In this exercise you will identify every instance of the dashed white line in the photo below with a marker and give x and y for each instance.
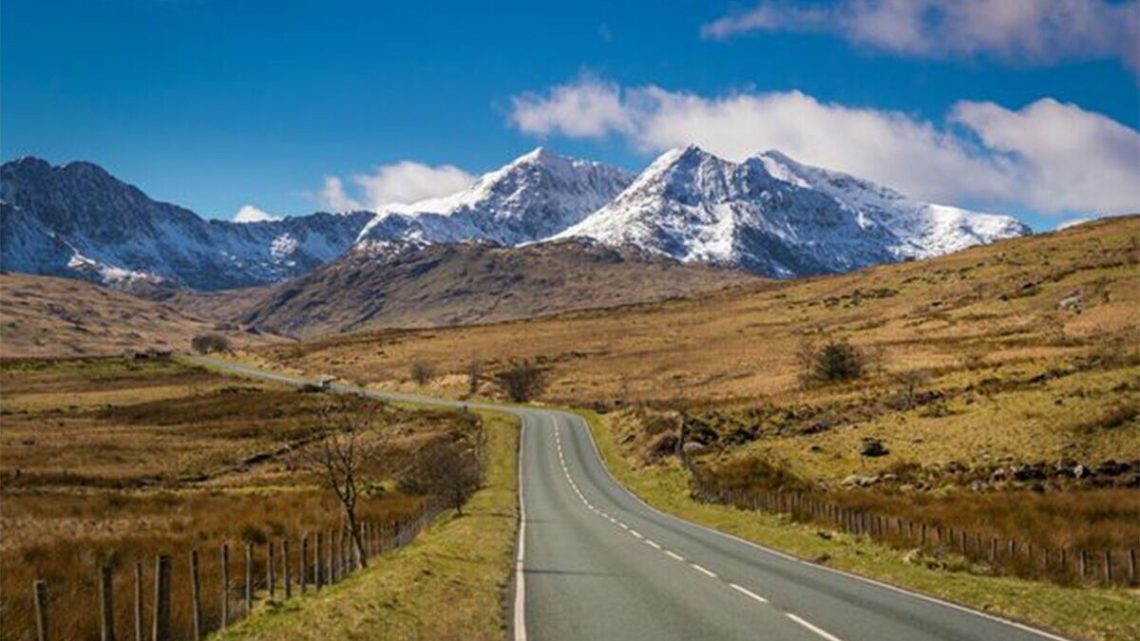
(673, 555)
(703, 570)
(636, 533)
(653, 544)
(822, 633)
(748, 593)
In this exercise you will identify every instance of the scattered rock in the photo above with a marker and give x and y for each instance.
(1111, 468)
(1071, 302)
(693, 447)
(873, 447)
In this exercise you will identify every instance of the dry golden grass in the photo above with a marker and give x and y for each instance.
(108, 462)
(998, 303)
(1028, 350)
(44, 316)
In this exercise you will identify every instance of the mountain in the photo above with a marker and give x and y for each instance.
(44, 316)
(774, 216)
(77, 220)
(474, 282)
(533, 198)
(769, 215)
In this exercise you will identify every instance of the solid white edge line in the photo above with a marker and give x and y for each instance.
(748, 593)
(493, 407)
(822, 633)
(894, 588)
(520, 581)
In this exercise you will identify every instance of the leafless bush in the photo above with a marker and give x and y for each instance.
(474, 375)
(522, 381)
(210, 343)
(909, 382)
(422, 373)
(339, 459)
(449, 469)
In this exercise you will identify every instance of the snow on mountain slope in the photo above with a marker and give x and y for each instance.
(77, 220)
(532, 198)
(777, 217)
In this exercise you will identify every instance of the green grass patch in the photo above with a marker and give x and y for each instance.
(1083, 612)
(450, 584)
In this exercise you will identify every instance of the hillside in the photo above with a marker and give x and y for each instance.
(43, 316)
(468, 283)
(1036, 334)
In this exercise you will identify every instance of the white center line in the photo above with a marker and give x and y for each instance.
(822, 633)
(652, 543)
(748, 593)
(703, 570)
(636, 533)
(673, 555)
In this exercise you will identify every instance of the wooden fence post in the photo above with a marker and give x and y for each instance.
(248, 578)
(195, 595)
(270, 570)
(1107, 567)
(318, 565)
(1083, 563)
(1132, 565)
(107, 605)
(39, 589)
(138, 602)
(225, 584)
(285, 568)
(303, 575)
(161, 629)
(329, 561)
(993, 549)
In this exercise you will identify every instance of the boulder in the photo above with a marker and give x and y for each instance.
(873, 447)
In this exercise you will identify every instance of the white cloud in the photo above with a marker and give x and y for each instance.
(402, 182)
(251, 214)
(1023, 31)
(585, 109)
(1049, 156)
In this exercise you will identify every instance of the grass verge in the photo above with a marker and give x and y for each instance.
(1083, 612)
(448, 585)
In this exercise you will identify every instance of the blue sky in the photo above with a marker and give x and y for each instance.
(217, 104)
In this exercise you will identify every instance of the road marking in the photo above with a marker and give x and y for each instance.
(822, 633)
(623, 525)
(653, 544)
(703, 570)
(581, 426)
(748, 593)
(673, 555)
(636, 533)
(520, 581)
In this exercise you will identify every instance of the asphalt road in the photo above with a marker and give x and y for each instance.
(597, 563)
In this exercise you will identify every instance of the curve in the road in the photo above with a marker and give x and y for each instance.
(594, 561)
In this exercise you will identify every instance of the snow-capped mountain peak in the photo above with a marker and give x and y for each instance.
(773, 215)
(535, 196)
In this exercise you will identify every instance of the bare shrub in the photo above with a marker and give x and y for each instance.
(210, 343)
(474, 375)
(339, 458)
(909, 382)
(522, 381)
(449, 469)
(422, 373)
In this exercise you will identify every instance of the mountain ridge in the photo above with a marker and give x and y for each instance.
(768, 214)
